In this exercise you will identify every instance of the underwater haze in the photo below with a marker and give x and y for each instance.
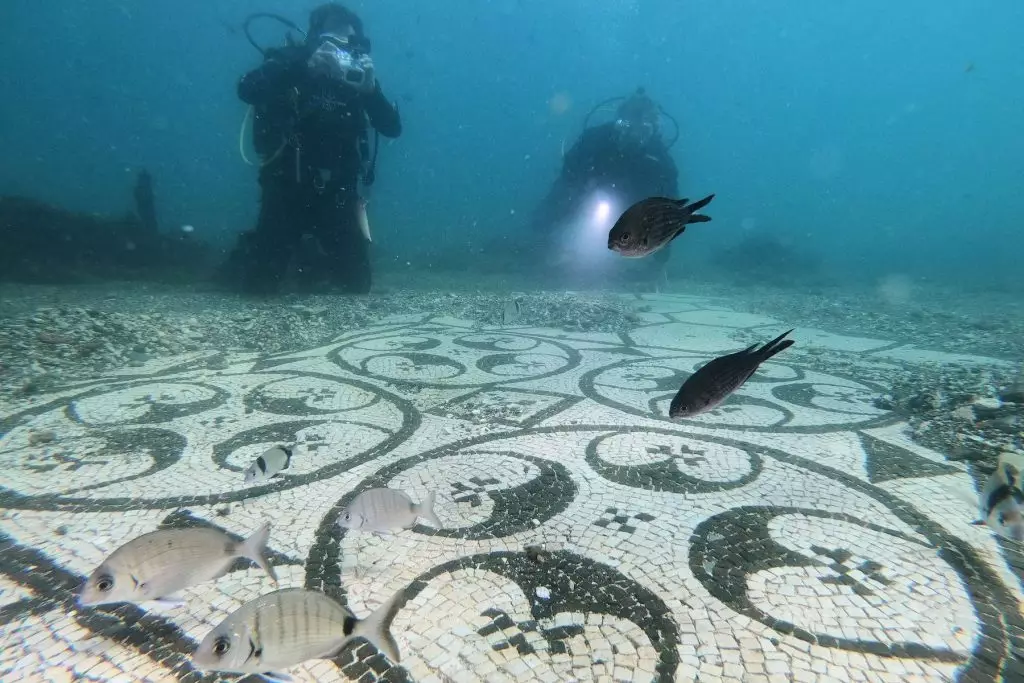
(883, 137)
(621, 341)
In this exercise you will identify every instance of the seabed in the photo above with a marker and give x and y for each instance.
(794, 534)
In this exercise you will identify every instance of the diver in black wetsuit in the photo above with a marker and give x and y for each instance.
(312, 102)
(625, 160)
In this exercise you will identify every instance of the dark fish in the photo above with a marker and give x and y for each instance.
(651, 223)
(712, 384)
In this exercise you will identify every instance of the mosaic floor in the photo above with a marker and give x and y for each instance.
(795, 534)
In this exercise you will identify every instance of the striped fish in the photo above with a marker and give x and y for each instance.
(160, 563)
(705, 389)
(285, 628)
(651, 223)
(383, 510)
(1001, 503)
(270, 463)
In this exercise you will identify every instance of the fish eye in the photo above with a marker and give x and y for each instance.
(1001, 518)
(221, 646)
(105, 583)
(624, 237)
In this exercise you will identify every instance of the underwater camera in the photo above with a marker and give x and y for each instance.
(344, 61)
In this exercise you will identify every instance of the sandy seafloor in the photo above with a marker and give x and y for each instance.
(807, 530)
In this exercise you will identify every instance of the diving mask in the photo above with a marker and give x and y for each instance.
(335, 58)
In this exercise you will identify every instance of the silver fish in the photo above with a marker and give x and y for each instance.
(1001, 503)
(651, 223)
(290, 626)
(705, 389)
(270, 463)
(511, 312)
(382, 510)
(160, 563)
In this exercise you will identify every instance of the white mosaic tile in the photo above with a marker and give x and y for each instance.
(793, 534)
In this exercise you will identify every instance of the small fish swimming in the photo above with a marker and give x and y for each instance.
(651, 223)
(270, 463)
(383, 510)
(158, 564)
(282, 629)
(511, 312)
(1001, 503)
(705, 389)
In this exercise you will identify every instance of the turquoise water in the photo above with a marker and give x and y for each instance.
(817, 526)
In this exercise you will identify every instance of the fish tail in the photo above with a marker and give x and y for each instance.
(700, 204)
(692, 210)
(287, 458)
(376, 628)
(426, 510)
(775, 346)
(255, 548)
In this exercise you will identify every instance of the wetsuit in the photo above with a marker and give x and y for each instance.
(308, 128)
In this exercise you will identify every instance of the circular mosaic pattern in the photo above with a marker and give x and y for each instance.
(146, 403)
(662, 460)
(448, 359)
(201, 440)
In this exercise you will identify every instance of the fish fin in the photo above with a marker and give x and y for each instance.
(376, 627)
(275, 676)
(426, 510)
(167, 602)
(978, 522)
(255, 548)
(775, 346)
(698, 218)
(700, 204)
(288, 457)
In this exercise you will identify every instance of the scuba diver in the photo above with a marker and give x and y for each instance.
(610, 167)
(313, 103)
